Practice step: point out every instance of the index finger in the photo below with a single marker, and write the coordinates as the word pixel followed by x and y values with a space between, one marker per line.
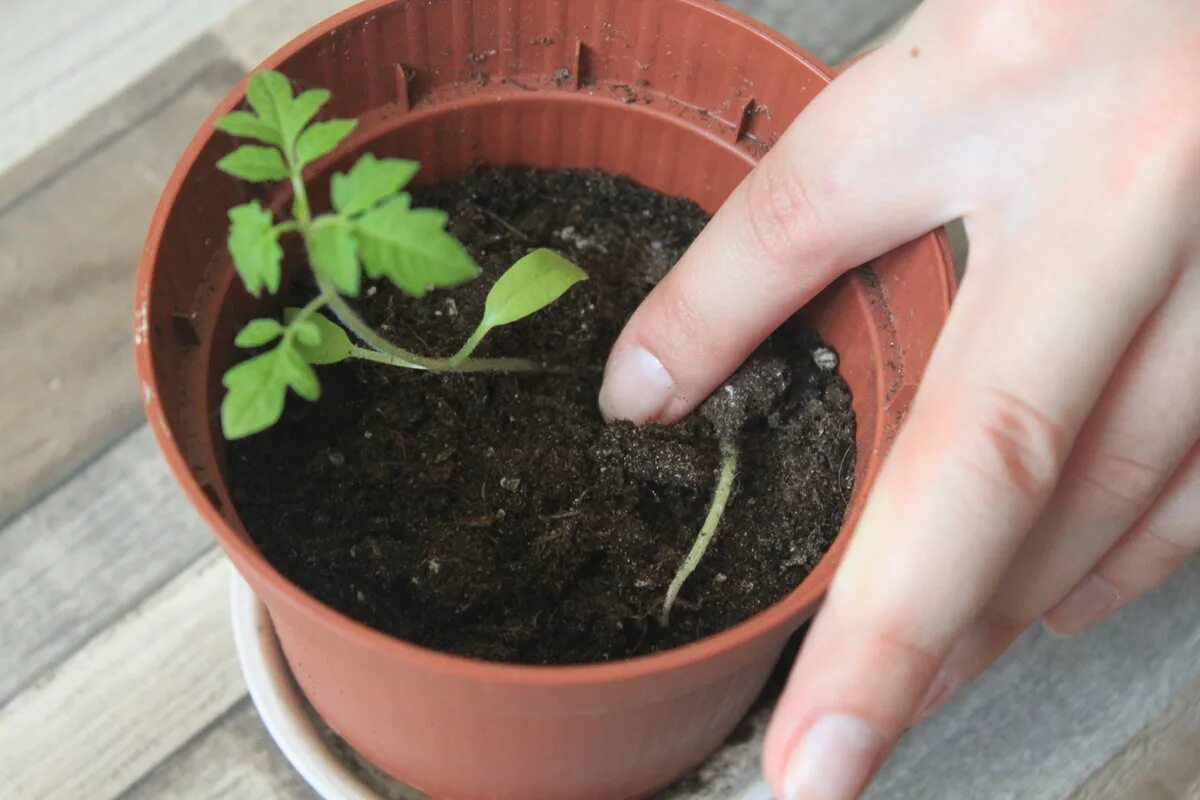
pixel 854 176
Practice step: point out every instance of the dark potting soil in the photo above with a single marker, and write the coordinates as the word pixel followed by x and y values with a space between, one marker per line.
pixel 498 516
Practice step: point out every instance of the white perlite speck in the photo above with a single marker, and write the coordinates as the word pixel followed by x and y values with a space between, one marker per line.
pixel 825 359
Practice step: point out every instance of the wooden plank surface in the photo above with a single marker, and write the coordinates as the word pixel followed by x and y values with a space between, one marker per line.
pixel 129 698
pixel 130 688
pixel 233 758
pixel 83 557
pixel 1160 763
pixel 72 57
pixel 1052 711
pixel 70 251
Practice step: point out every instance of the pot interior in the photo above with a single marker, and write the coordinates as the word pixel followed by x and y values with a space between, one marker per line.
pixel 680 112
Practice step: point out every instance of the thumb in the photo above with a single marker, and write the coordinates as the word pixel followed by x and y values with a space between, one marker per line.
pixel 852 178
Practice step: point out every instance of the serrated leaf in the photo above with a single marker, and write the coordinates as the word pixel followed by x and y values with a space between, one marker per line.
pixel 257 389
pixel 335 343
pixel 259 332
pixel 320 138
pixel 255 396
pixel 308 334
pixel 369 181
pixel 529 285
pixel 333 251
pixel 298 374
pixel 252 162
pixel 411 247
pixel 270 94
pixel 300 111
pixel 254 245
pixel 247 125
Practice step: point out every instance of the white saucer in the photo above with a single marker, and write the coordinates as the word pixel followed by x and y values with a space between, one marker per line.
pixel 336 772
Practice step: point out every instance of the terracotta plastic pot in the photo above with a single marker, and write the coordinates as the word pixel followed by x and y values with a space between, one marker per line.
pixel 681 96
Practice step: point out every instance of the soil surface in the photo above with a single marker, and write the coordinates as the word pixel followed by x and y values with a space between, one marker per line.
pixel 498 516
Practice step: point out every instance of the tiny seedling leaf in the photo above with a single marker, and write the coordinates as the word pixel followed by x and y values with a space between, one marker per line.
pixel 298 374
pixel 254 245
pixel 255 163
pixel 308 334
pixel 255 396
pixel 300 112
pixel 259 332
pixel 335 344
pixel 411 247
pixel 529 285
pixel 270 94
pixel 320 138
pixel 249 126
pixel 369 181
pixel 333 252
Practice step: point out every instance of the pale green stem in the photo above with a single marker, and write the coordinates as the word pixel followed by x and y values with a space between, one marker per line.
pixel 300 208
pixel 381 350
pixel 469 346
pixel 389 353
pixel 708 530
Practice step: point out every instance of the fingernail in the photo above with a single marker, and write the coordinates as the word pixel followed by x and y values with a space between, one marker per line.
pixel 637 387
pixel 1089 602
pixel 834 760
pixel 941 690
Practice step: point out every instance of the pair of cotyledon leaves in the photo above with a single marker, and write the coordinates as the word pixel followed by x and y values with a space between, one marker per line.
pixel 373 227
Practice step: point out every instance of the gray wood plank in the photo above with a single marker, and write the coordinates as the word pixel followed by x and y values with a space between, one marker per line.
pixel 61 62
pixel 832 30
pixel 1052 711
pixel 263 26
pixel 232 760
pixel 70 251
pixel 1160 763
pixel 133 696
pixel 87 554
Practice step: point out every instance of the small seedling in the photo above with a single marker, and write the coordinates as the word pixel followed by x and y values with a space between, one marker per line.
pixel 372 229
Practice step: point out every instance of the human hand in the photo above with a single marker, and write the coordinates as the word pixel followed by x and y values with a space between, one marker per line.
pixel 1049 467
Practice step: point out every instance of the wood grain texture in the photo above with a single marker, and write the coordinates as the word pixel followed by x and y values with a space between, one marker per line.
pixel 69 254
pixel 153 707
pixel 262 27
pixel 128 699
pixel 1052 711
pixel 1160 763
pixel 71 58
pixel 234 759
pixel 87 554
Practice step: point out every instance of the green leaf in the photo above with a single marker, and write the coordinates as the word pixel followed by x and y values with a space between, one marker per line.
pixel 255 396
pixel 270 94
pixel 259 332
pixel 299 112
pixel 307 333
pixel 412 248
pixel 252 162
pixel 369 181
pixel 254 245
pixel 257 389
pixel 320 138
pixel 298 374
pixel 333 252
pixel 335 343
pixel 249 126
pixel 531 284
